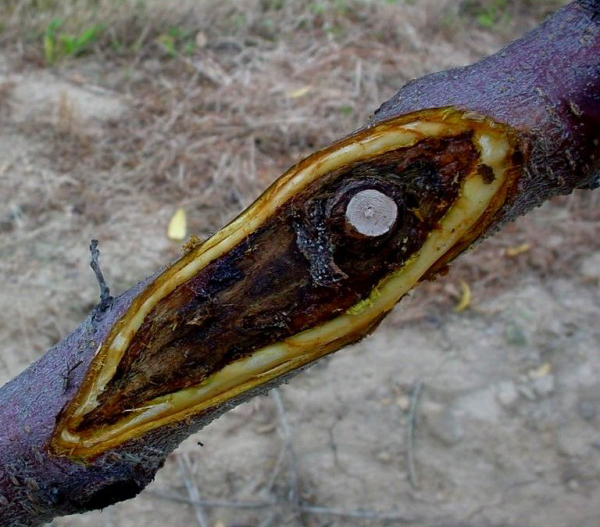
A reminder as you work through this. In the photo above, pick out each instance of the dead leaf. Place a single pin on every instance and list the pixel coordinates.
(517, 249)
(201, 39)
(542, 371)
(266, 428)
(300, 92)
(177, 226)
(465, 297)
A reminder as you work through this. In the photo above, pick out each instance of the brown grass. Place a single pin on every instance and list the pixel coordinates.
(133, 29)
(266, 83)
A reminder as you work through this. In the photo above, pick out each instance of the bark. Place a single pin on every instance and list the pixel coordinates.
(544, 87)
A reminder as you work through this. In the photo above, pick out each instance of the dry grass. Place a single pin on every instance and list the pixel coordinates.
(266, 83)
(132, 29)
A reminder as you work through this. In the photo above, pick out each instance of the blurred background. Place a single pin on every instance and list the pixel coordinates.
(477, 402)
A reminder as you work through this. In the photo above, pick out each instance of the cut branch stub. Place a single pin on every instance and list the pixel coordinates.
(371, 213)
(314, 264)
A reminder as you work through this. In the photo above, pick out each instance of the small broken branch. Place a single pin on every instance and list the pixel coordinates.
(314, 264)
(105, 298)
(410, 434)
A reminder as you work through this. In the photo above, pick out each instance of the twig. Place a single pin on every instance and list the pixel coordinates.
(185, 470)
(170, 496)
(270, 520)
(410, 434)
(276, 470)
(105, 299)
(308, 509)
(362, 514)
(67, 375)
(294, 494)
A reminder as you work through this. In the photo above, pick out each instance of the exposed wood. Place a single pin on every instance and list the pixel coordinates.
(371, 212)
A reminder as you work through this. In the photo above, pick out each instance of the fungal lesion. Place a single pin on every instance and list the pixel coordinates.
(299, 285)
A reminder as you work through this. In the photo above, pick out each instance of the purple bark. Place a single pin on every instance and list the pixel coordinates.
(545, 85)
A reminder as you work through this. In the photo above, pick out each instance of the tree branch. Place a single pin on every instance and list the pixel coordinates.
(302, 272)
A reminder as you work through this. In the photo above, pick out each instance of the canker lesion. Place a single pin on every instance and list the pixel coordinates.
(291, 280)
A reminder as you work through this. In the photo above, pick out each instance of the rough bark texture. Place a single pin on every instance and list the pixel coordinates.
(546, 86)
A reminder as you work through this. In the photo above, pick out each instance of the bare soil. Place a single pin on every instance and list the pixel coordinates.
(485, 417)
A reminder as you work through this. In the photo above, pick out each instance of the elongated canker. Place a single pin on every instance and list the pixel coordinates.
(313, 264)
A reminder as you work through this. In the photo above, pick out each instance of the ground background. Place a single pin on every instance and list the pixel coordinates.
(165, 104)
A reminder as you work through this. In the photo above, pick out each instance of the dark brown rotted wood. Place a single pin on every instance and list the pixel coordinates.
(305, 266)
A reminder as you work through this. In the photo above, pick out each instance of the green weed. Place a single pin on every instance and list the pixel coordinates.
(58, 45)
(486, 13)
(177, 40)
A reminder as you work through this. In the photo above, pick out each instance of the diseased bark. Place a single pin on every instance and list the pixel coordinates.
(248, 309)
(544, 87)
